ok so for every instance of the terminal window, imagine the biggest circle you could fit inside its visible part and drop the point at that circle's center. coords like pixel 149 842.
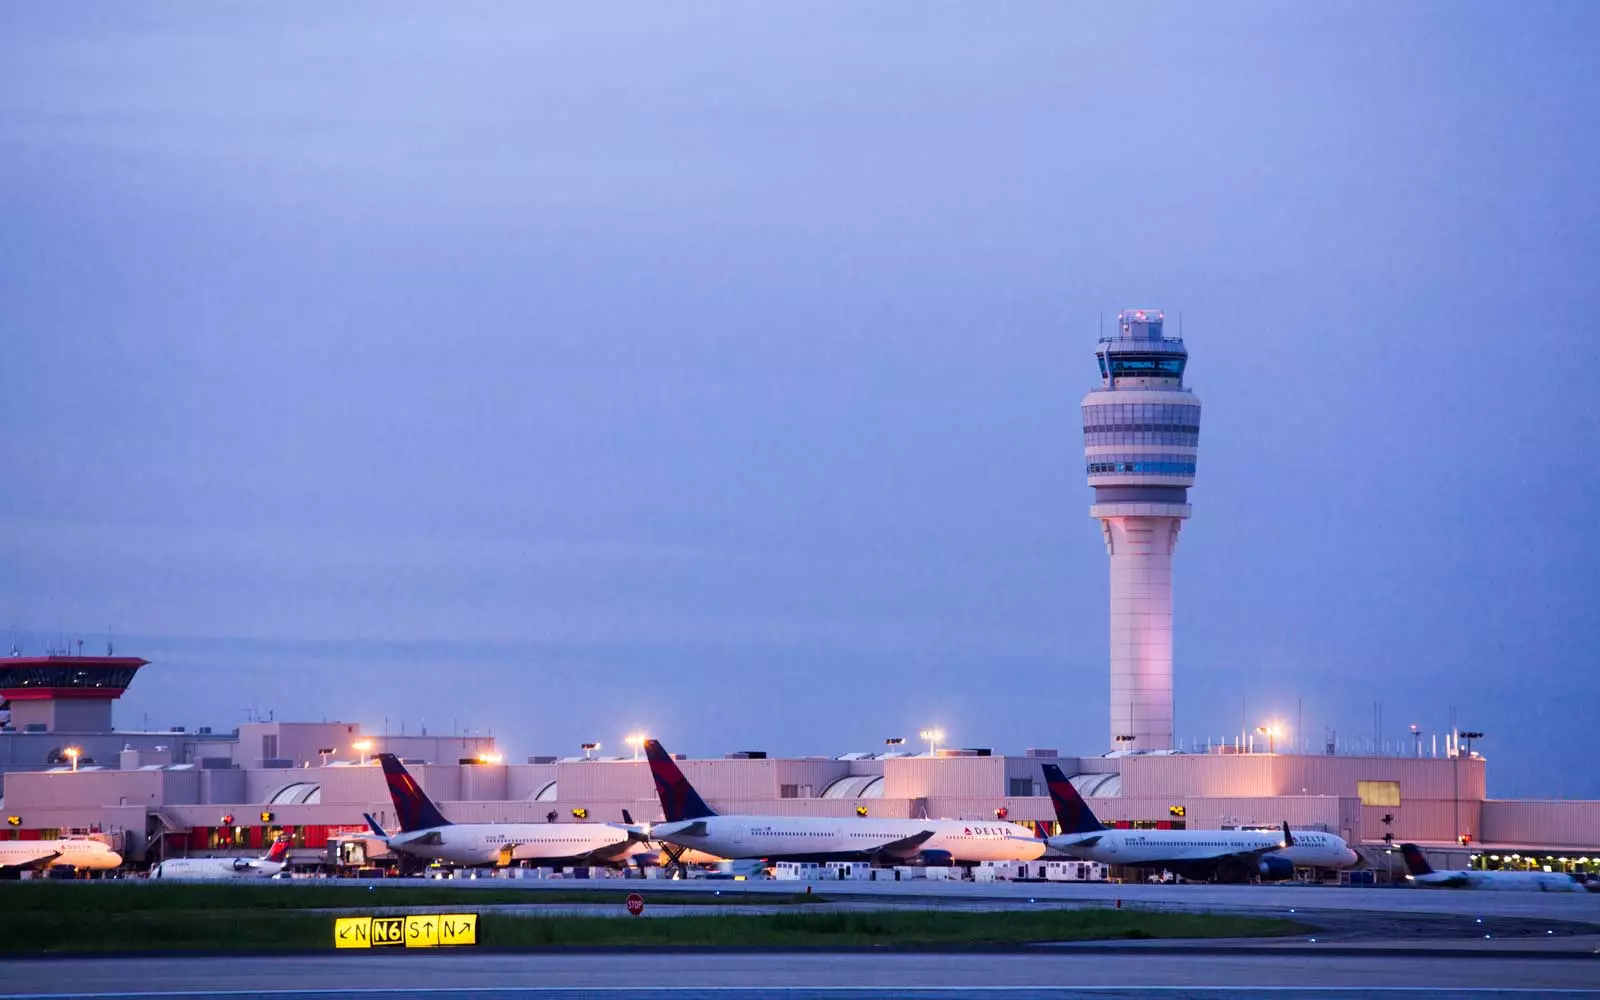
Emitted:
pixel 1379 793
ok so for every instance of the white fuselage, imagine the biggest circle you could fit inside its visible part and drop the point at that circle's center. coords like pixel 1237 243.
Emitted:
pixel 74 851
pixel 214 869
pixel 499 843
pixel 1155 847
pixel 1498 881
pixel 814 837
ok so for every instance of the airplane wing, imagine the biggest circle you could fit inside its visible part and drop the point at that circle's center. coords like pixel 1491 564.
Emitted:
pixel 611 854
pixel 904 848
pixel 636 834
pixel 33 863
pixel 695 829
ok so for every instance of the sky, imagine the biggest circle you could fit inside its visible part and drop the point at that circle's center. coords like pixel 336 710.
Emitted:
pixel 713 369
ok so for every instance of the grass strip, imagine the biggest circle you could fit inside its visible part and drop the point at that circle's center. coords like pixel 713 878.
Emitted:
pixel 233 930
pixel 144 897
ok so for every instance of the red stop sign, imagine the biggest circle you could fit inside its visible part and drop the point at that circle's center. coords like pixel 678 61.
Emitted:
pixel 635 903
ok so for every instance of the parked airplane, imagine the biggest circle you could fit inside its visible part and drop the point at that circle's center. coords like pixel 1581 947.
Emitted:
pixel 1222 855
pixel 691 823
pixel 1423 874
pixel 211 869
pixel 17 856
pixel 425 835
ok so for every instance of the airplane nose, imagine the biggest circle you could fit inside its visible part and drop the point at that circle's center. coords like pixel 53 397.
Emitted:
pixel 116 859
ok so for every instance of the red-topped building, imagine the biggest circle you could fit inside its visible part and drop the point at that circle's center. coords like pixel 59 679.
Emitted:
pixel 64 693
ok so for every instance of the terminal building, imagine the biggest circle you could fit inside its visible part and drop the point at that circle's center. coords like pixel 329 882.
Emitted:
pixel 202 792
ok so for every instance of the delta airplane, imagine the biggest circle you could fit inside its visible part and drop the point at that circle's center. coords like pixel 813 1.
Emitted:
pixel 1222 855
pixel 692 823
pixel 425 835
pixel 79 852
pixel 1423 874
pixel 213 869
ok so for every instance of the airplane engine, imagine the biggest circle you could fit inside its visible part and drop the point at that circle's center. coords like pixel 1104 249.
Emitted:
pixel 936 859
pixel 1276 869
pixel 241 864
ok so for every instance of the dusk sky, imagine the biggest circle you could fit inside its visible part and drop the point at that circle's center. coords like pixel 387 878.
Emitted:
pixel 714 369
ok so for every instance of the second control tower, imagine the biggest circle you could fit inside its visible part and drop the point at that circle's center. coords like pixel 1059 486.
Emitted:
pixel 1141 433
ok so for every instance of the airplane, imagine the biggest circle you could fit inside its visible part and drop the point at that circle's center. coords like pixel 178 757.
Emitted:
pixel 693 824
pixel 425 835
pixel 82 853
pixel 1420 873
pixel 1220 855
pixel 212 869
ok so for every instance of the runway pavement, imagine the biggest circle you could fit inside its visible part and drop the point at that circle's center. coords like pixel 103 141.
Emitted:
pixel 792 975
pixel 1268 898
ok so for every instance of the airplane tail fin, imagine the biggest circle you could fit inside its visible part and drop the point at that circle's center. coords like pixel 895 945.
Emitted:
pixel 1288 838
pixel 412 808
pixel 372 824
pixel 1072 812
pixel 1416 862
pixel 627 818
pixel 279 851
pixel 679 800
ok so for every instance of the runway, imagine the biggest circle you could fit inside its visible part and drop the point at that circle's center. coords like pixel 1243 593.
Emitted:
pixel 795 975
pixel 1268 899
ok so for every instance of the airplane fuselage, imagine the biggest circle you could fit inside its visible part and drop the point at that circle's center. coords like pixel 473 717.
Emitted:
pixel 1194 849
pixel 816 838
pixel 1498 881
pixel 214 869
pixel 79 853
pixel 502 843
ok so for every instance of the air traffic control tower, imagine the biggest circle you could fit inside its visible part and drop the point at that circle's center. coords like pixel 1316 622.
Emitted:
pixel 1141 431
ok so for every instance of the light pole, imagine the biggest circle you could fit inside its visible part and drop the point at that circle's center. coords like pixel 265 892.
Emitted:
pixel 1469 737
pixel 489 757
pixel 1416 734
pixel 1124 741
pixel 362 746
pixel 73 753
pixel 934 738
pixel 894 741
pixel 589 748
pixel 636 740
pixel 1271 733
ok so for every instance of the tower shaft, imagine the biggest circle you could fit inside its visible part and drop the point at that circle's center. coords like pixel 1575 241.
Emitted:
pixel 1140 548
pixel 1141 431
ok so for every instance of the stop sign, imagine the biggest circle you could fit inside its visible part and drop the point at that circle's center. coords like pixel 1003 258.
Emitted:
pixel 635 903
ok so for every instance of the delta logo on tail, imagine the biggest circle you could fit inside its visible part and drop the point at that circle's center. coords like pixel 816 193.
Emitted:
pixel 679 800
pixel 1416 861
pixel 412 807
pixel 1072 812
pixel 280 850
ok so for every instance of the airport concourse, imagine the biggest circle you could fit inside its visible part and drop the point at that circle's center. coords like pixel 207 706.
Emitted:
pixel 195 793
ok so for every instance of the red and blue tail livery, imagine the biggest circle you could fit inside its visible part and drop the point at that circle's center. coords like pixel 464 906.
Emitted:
pixel 280 850
pixel 679 800
pixel 1416 861
pixel 1072 812
pixel 412 808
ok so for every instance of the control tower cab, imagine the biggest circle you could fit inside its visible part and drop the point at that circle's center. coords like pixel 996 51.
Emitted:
pixel 70 694
pixel 1141 431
